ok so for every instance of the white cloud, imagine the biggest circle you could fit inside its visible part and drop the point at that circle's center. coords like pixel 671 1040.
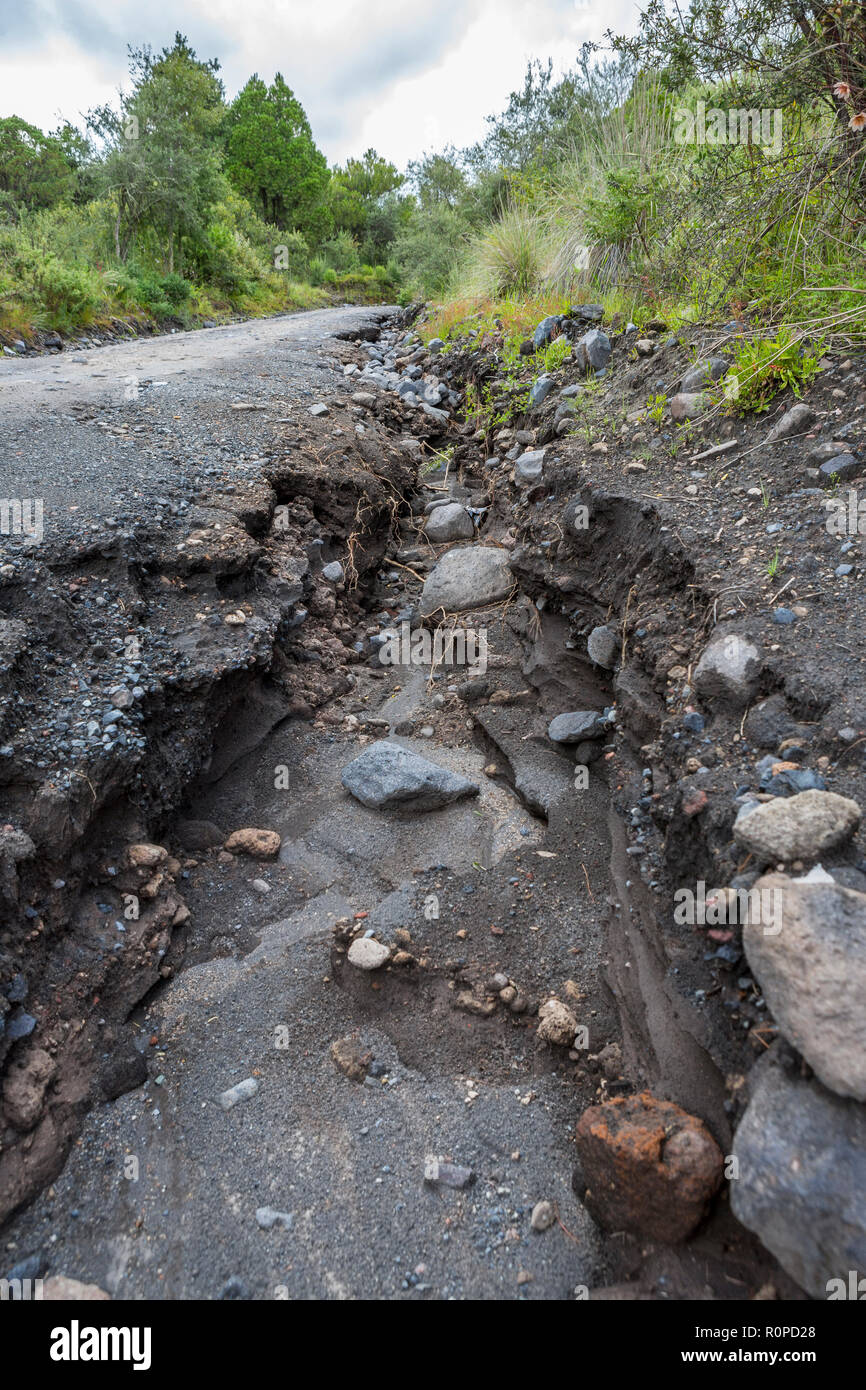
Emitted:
pixel 401 77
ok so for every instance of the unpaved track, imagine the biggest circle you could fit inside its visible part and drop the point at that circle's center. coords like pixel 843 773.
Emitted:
pixel 159 1197
pixel 104 432
pixel 54 380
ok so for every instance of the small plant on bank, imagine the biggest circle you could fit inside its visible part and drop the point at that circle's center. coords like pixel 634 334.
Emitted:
pixel 766 366
pixel 495 406
pixel 437 459
pixel 686 433
pixel 655 409
pixel 553 356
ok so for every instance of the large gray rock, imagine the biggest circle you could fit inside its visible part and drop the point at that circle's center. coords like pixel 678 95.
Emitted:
pixel 467 578
pixel 795 421
pixel 688 405
pixel 435 502
pixel 365 953
pixel 804 826
pixel 801 1154
pixel 822 451
pixel 728 670
pixel 449 523
pixel 575 726
pixel 386 774
pixel 586 313
pixel 840 468
pixel 592 351
pixel 602 646
pixel 539 391
pixel 811 967
pixel 702 373
pixel 529 467
pixel 545 330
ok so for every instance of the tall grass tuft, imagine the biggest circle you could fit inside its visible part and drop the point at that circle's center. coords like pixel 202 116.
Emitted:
pixel 510 258
pixel 606 196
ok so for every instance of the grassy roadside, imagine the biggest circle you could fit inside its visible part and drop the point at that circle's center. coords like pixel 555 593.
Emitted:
pixel 59 273
pixel 27 318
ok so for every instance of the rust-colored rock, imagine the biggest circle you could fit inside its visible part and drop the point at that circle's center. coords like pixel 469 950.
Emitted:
pixel 647 1167
pixel 695 803
pixel 259 844
pixel 145 856
pixel 352 1059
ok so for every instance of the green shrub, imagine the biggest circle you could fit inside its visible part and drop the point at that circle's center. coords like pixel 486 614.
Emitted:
pixel 340 253
pixel 292 255
pixel 429 248
pixel 764 367
pixel 176 289
pixel 68 294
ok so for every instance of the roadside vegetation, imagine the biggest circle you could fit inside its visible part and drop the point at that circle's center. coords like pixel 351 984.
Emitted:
pixel 176 205
pixel 712 165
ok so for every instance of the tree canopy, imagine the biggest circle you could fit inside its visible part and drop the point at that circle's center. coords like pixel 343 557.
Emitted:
pixel 272 159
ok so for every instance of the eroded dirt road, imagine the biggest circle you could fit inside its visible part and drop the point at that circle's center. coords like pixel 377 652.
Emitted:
pixel 159 1198
pixel 231 528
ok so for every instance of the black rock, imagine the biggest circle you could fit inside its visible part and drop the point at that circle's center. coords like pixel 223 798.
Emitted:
pixel 17 990
pixel 32 1267
pixel 843 467
pixel 769 722
pixel 791 782
pixel 123 1073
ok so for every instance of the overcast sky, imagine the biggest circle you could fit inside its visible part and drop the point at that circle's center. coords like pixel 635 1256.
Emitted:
pixel 402 75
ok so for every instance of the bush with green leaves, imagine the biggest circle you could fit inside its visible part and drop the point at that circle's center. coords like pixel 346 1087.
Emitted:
pixel 430 247
pixel 65 294
pixel 340 253
pixel 763 367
